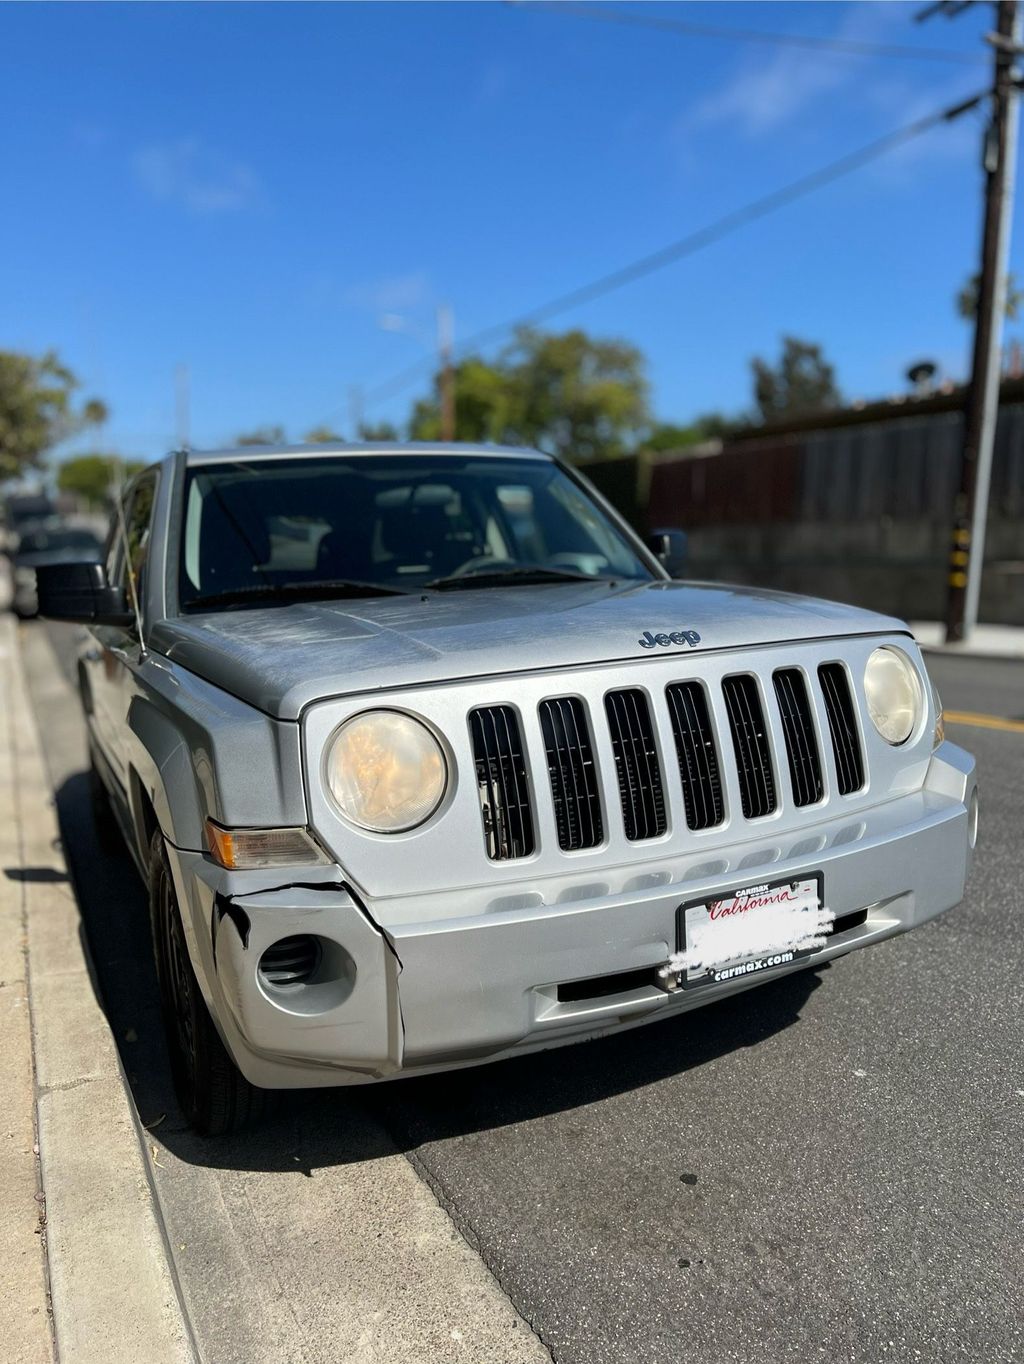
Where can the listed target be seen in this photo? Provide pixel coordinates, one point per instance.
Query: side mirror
(80, 592)
(670, 547)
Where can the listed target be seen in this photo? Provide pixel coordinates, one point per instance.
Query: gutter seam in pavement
(466, 1230)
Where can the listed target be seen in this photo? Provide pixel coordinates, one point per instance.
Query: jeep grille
(502, 768)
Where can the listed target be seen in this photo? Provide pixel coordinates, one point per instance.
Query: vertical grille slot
(842, 724)
(570, 760)
(695, 748)
(798, 727)
(636, 764)
(750, 740)
(501, 782)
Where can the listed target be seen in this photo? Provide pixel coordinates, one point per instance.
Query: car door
(98, 660)
(120, 648)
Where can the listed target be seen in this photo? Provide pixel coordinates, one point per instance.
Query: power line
(577, 9)
(691, 243)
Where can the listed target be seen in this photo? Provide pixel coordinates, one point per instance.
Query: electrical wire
(688, 245)
(578, 9)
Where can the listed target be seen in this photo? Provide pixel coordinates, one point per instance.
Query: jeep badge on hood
(648, 641)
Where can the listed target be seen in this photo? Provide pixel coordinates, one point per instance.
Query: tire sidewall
(189, 1065)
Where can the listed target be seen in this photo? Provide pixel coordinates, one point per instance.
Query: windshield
(385, 523)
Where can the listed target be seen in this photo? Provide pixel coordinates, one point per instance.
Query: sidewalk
(24, 1299)
(986, 641)
(114, 1299)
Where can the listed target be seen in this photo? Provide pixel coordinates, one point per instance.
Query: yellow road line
(972, 717)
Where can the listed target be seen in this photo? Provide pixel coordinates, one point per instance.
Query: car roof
(252, 453)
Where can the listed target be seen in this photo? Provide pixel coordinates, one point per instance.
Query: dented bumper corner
(342, 1024)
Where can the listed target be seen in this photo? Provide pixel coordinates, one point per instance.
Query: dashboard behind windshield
(397, 522)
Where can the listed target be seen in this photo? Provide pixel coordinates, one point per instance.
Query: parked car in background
(47, 542)
(19, 511)
(428, 761)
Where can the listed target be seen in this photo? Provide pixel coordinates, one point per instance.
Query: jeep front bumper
(430, 982)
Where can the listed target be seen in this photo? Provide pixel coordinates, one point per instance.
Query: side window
(139, 520)
(138, 516)
(112, 555)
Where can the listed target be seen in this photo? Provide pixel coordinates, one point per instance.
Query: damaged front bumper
(343, 1026)
(429, 982)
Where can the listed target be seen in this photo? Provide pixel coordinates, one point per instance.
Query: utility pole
(967, 551)
(355, 411)
(182, 406)
(447, 375)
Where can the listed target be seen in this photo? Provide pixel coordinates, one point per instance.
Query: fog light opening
(291, 962)
(972, 819)
(306, 974)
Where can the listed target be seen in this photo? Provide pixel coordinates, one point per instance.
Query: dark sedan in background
(47, 542)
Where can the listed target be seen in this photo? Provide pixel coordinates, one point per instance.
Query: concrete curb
(987, 643)
(113, 1288)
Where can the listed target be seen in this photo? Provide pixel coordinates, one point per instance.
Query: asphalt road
(826, 1168)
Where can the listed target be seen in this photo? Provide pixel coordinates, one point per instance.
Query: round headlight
(893, 693)
(385, 771)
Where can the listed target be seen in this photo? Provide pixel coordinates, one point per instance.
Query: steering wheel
(488, 561)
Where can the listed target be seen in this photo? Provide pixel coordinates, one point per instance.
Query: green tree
(262, 435)
(484, 403)
(92, 477)
(567, 392)
(802, 381)
(37, 409)
(576, 396)
(319, 435)
(669, 436)
(382, 431)
(967, 298)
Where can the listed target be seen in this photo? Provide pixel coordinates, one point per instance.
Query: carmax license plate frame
(755, 962)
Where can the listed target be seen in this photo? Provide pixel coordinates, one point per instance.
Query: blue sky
(247, 189)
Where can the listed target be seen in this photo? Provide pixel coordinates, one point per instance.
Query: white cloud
(761, 96)
(766, 91)
(391, 294)
(196, 178)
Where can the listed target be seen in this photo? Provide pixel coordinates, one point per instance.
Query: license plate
(749, 930)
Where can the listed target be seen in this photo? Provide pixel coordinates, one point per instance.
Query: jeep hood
(282, 658)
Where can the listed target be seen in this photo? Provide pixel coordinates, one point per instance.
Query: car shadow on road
(317, 1129)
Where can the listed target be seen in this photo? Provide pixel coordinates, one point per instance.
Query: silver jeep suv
(428, 761)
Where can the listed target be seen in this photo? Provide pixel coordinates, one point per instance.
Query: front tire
(214, 1095)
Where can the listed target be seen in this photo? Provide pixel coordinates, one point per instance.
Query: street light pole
(967, 551)
(447, 375)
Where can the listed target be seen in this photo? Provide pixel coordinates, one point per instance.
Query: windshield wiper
(497, 577)
(323, 590)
